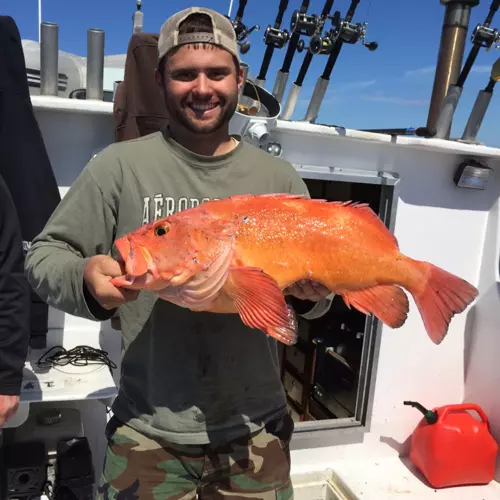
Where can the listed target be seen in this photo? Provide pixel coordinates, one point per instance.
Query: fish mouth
(136, 259)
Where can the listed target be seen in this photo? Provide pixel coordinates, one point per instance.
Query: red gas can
(451, 448)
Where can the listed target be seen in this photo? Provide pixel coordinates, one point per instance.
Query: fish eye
(161, 230)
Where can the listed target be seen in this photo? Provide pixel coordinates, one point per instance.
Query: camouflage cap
(223, 32)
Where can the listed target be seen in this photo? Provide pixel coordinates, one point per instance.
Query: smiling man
(200, 83)
(201, 410)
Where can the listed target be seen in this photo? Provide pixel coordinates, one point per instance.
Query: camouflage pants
(256, 467)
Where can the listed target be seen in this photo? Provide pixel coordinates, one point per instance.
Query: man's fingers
(111, 267)
(8, 408)
(129, 295)
(307, 290)
(6, 417)
(319, 287)
(112, 297)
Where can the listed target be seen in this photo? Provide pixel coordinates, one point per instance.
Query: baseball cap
(223, 32)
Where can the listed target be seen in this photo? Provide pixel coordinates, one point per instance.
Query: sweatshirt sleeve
(14, 298)
(81, 226)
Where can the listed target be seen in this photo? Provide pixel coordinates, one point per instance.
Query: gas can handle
(463, 407)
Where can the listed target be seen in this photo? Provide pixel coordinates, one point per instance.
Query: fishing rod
(300, 24)
(242, 32)
(343, 31)
(481, 105)
(274, 38)
(293, 95)
(482, 36)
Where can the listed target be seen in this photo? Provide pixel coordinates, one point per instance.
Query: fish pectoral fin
(388, 303)
(261, 304)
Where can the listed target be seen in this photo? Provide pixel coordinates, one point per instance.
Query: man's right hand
(8, 408)
(97, 274)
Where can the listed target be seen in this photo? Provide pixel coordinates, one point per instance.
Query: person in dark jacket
(14, 307)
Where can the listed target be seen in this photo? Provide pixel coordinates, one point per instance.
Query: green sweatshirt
(186, 377)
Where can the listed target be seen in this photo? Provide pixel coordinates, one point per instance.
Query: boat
(349, 375)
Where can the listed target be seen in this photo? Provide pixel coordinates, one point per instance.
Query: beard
(183, 115)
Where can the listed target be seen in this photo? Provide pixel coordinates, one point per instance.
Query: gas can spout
(430, 416)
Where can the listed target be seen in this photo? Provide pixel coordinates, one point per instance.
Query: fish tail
(439, 295)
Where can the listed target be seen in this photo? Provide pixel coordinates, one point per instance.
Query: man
(201, 409)
(14, 307)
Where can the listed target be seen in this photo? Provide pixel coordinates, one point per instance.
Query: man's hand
(8, 408)
(97, 274)
(307, 290)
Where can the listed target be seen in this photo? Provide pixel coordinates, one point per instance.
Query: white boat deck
(374, 472)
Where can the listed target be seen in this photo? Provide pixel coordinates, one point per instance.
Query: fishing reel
(242, 34)
(485, 37)
(343, 31)
(317, 43)
(304, 24)
(320, 45)
(276, 37)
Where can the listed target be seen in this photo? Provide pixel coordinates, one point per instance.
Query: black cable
(81, 355)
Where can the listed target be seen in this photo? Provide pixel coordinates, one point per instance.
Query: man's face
(201, 87)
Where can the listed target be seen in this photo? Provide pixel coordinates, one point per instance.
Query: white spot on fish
(281, 264)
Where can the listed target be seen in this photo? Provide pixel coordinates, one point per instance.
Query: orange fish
(236, 255)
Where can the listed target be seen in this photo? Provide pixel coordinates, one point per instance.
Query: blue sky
(390, 87)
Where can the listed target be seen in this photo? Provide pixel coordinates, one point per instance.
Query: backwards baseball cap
(223, 34)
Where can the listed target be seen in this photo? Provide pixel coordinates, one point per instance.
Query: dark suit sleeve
(14, 298)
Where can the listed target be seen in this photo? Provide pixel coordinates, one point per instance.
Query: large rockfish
(236, 255)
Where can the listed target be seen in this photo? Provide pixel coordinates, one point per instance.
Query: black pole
(241, 10)
(308, 57)
(294, 40)
(491, 85)
(268, 54)
(270, 48)
(495, 4)
(475, 50)
(332, 58)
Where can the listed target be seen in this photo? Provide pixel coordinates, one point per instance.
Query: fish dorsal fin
(277, 196)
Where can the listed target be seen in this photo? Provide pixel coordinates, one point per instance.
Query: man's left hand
(307, 290)
(8, 408)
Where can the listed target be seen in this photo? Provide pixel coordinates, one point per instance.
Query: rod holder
(445, 118)
(291, 102)
(95, 64)
(260, 82)
(138, 18)
(316, 99)
(477, 115)
(138, 22)
(280, 85)
(244, 66)
(116, 83)
(49, 59)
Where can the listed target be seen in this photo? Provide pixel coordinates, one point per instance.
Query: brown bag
(139, 108)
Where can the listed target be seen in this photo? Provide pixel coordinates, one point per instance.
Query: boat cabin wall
(457, 229)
